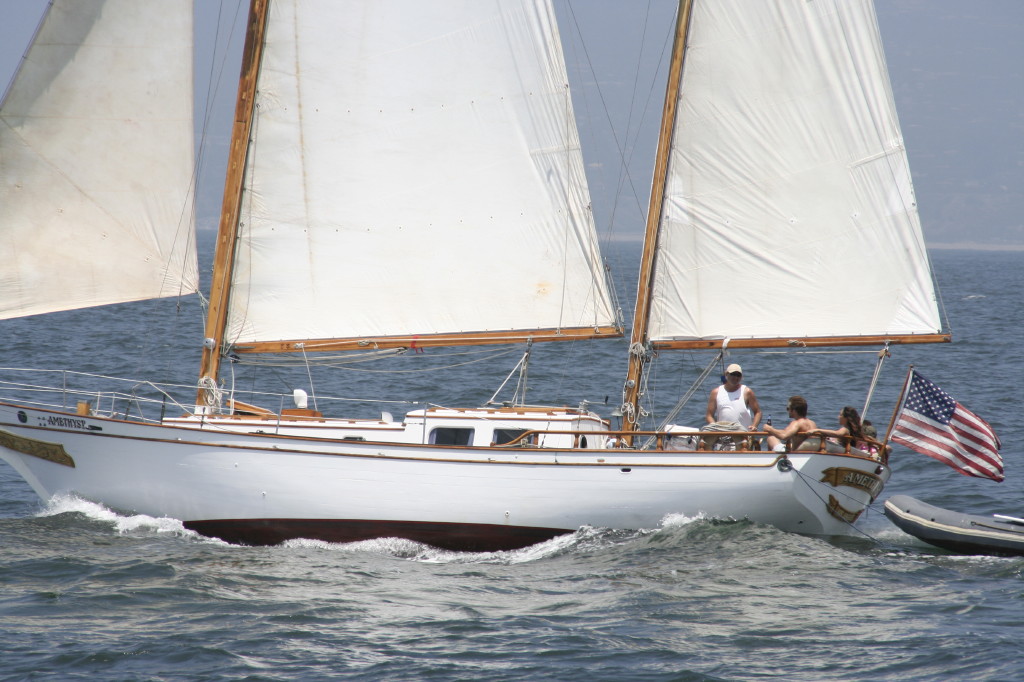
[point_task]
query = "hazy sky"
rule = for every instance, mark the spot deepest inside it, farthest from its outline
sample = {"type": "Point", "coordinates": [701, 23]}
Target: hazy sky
{"type": "Point", "coordinates": [957, 70]}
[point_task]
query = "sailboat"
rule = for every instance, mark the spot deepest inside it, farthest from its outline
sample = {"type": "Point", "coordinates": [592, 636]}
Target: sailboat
{"type": "Point", "coordinates": [371, 131]}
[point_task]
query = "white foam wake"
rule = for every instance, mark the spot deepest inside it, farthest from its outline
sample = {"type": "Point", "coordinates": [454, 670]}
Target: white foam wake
{"type": "Point", "coordinates": [677, 520]}
{"type": "Point", "coordinates": [415, 551]}
{"type": "Point", "coordinates": [136, 523]}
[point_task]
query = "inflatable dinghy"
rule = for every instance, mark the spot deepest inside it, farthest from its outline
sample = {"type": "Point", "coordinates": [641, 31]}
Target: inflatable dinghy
{"type": "Point", "coordinates": [958, 532]}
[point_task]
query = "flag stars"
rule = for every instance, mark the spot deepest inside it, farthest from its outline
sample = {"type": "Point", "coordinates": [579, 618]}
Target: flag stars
{"type": "Point", "coordinates": [930, 400]}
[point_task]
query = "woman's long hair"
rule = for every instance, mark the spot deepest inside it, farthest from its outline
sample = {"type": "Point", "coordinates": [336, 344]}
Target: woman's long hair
{"type": "Point", "coordinates": [853, 423]}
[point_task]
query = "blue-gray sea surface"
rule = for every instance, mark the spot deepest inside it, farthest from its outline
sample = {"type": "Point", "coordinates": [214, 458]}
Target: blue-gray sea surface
{"type": "Point", "coordinates": [86, 593]}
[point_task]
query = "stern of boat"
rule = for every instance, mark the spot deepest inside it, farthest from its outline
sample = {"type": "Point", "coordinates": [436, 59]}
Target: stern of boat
{"type": "Point", "coordinates": [835, 489]}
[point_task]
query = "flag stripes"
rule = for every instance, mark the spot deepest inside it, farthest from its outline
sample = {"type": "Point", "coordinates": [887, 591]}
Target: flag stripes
{"type": "Point", "coordinates": [932, 423]}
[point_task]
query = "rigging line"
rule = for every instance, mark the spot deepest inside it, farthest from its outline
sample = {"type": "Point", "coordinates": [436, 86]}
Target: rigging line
{"type": "Point", "coordinates": [607, 274]}
{"type": "Point", "coordinates": [204, 303]}
{"type": "Point", "coordinates": [808, 351]}
{"type": "Point", "coordinates": [418, 371]}
{"type": "Point", "coordinates": [252, 391]}
{"type": "Point", "coordinates": [245, 208]}
{"type": "Point", "coordinates": [807, 480]}
{"type": "Point", "coordinates": [320, 362]}
{"type": "Point", "coordinates": [582, 91]}
{"type": "Point", "coordinates": [519, 395]}
{"type": "Point", "coordinates": [694, 387]}
{"type": "Point", "coordinates": [215, 77]}
{"type": "Point", "coordinates": [604, 276]}
{"type": "Point", "coordinates": [627, 154]}
{"type": "Point", "coordinates": [652, 91]}
{"type": "Point", "coordinates": [697, 383]}
{"type": "Point", "coordinates": [212, 86]}
{"type": "Point", "coordinates": [231, 391]}
{"type": "Point", "coordinates": [309, 375]}
{"type": "Point", "coordinates": [604, 105]}
{"type": "Point", "coordinates": [613, 292]}
{"type": "Point", "coordinates": [636, 84]}
{"type": "Point", "coordinates": [938, 294]}
{"type": "Point", "coordinates": [360, 356]}
{"type": "Point", "coordinates": [213, 83]}
{"type": "Point", "coordinates": [567, 203]}
{"type": "Point", "coordinates": [518, 364]}
{"type": "Point", "coordinates": [645, 386]}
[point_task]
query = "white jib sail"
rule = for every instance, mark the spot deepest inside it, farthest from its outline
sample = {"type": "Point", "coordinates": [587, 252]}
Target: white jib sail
{"type": "Point", "coordinates": [789, 209]}
{"type": "Point", "coordinates": [96, 159]}
{"type": "Point", "coordinates": [415, 169]}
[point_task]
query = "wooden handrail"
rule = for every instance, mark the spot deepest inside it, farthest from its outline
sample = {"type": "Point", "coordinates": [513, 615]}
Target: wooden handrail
{"type": "Point", "coordinates": [661, 437]}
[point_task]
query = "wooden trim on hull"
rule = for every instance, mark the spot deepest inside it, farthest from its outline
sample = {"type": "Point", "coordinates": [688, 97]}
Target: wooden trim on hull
{"type": "Point", "coordinates": [462, 537]}
{"type": "Point", "coordinates": [51, 452]}
{"type": "Point", "coordinates": [496, 455]}
{"type": "Point", "coordinates": [542, 457]}
{"type": "Point", "coordinates": [545, 456]}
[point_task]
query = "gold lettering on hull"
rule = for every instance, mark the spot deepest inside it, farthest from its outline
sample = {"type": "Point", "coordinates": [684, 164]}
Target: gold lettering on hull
{"type": "Point", "coordinates": [837, 510]}
{"type": "Point", "coordinates": [51, 452]}
{"type": "Point", "coordinates": [862, 480]}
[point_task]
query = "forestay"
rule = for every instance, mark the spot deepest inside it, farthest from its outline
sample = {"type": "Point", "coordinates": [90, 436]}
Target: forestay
{"type": "Point", "coordinates": [413, 178]}
{"type": "Point", "coordinates": [789, 210]}
{"type": "Point", "coordinates": [96, 159]}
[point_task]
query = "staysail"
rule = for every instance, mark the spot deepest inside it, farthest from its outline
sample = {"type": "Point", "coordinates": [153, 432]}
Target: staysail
{"type": "Point", "coordinates": [788, 214]}
{"type": "Point", "coordinates": [96, 159]}
{"type": "Point", "coordinates": [413, 181]}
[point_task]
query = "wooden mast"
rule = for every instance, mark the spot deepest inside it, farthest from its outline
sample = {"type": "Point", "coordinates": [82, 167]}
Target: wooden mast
{"type": "Point", "coordinates": [641, 315]}
{"type": "Point", "coordinates": [224, 256]}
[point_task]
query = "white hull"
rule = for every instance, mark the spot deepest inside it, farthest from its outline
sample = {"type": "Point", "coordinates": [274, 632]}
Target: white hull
{"type": "Point", "coordinates": [263, 489]}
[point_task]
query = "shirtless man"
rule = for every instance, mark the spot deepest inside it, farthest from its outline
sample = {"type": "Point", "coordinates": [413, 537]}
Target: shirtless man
{"type": "Point", "coordinates": [733, 402]}
{"type": "Point", "coordinates": [790, 438]}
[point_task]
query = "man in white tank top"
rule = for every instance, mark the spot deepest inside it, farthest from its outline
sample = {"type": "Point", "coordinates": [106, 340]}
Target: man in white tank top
{"type": "Point", "coordinates": [733, 402]}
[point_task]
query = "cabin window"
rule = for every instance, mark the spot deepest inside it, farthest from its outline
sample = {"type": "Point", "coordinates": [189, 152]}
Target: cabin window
{"type": "Point", "coordinates": [451, 436]}
{"type": "Point", "coordinates": [502, 436]}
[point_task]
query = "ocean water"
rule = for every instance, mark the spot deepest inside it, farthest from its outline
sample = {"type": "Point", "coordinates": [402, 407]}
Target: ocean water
{"type": "Point", "coordinates": [86, 593]}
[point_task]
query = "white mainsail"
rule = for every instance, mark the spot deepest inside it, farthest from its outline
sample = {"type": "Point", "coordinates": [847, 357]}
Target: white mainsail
{"type": "Point", "coordinates": [96, 159]}
{"type": "Point", "coordinates": [789, 211]}
{"type": "Point", "coordinates": [413, 177]}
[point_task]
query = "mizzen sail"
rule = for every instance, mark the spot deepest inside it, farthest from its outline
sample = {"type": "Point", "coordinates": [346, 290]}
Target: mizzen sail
{"type": "Point", "coordinates": [789, 213]}
{"type": "Point", "coordinates": [414, 174]}
{"type": "Point", "coordinates": [96, 159]}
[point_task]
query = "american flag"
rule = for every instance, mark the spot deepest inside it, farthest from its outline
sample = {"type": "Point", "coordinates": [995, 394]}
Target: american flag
{"type": "Point", "coordinates": [933, 423]}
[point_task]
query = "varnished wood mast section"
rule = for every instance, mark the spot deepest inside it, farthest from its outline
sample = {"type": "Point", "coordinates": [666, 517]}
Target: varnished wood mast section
{"type": "Point", "coordinates": [227, 235]}
{"type": "Point", "coordinates": [643, 296]}
{"type": "Point", "coordinates": [428, 340]}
